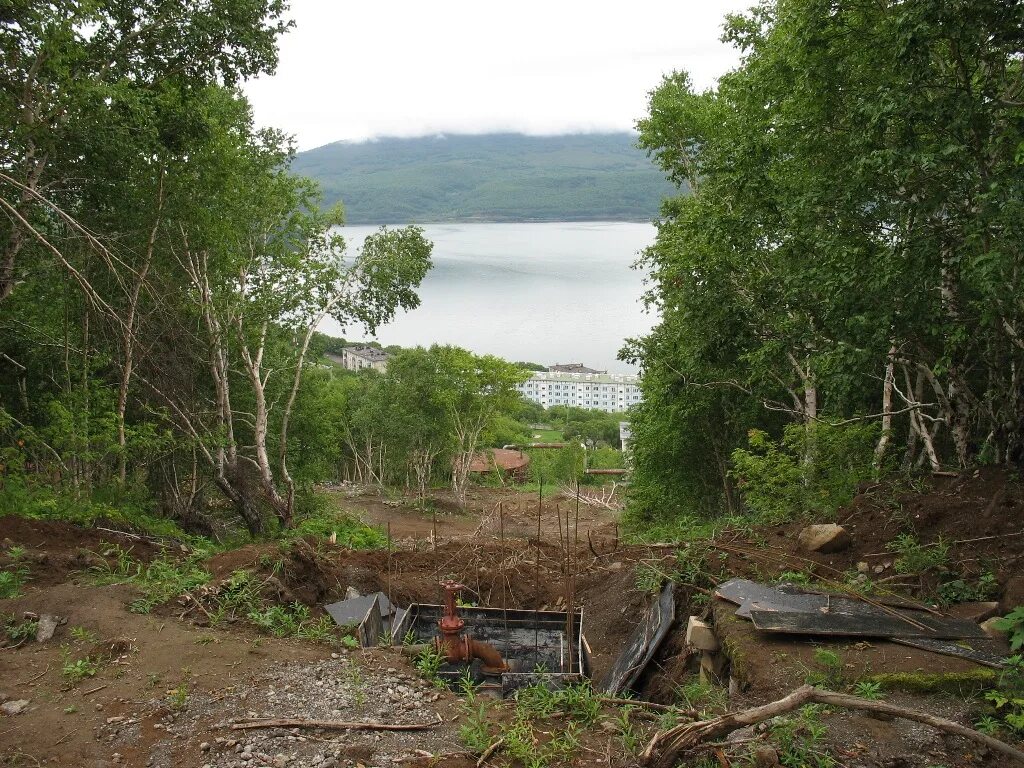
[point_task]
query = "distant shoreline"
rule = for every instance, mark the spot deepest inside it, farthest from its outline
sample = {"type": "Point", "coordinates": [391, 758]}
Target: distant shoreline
{"type": "Point", "coordinates": [555, 220]}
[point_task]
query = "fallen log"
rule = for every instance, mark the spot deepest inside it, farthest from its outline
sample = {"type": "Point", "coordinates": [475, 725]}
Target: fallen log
{"type": "Point", "coordinates": [665, 749]}
{"type": "Point", "coordinates": [330, 725]}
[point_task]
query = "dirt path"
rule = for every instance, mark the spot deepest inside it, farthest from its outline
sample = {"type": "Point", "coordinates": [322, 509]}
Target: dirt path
{"type": "Point", "coordinates": [169, 687]}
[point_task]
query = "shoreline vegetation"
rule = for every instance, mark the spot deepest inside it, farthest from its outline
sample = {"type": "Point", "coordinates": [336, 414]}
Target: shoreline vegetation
{"type": "Point", "coordinates": [489, 178]}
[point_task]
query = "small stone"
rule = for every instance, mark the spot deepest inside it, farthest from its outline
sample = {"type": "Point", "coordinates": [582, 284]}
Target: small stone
{"type": "Point", "coordinates": [825, 538]}
{"type": "Point", "coordinates": [15, 707]}
{"type": "Point", "coordinates": [47, 625]}
{"type": "Point", "coordinates": [99, 707]}
{"type": "Point", "coordinates": [616, 566]}
{"type": "Point", "coordinates": [351, 593]}
{"type": "Point", "coordinates": [879, 569]}
{"type": "Point", "coordinates": [764, 756]}
{"type": "Point", "coordinates": [863, 567]}
{"type": "Point", "coordinates": [205, 746]}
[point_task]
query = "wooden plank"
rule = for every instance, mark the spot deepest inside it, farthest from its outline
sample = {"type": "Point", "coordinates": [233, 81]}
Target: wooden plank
{"type": "Point", "coordinates": [740, 591]}
{"type": "Point", "coordinates": [879, 624]}
{"type": "Point", "coordinates": [371, 627]}
{"type": "Point", "coordinates": [642, 645]}
{"type": "Point", "coordinates": [982, 652]}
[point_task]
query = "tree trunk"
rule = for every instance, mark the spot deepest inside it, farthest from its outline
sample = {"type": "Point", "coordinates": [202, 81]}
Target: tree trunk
{"type": "Point", "coordinates": [887, 388]}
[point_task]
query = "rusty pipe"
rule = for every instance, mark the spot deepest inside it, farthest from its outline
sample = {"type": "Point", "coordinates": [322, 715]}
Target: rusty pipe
{"type": "Point", "coordinates": [458, 647]}
{"type": "Point", "coordinates": [464, 649]}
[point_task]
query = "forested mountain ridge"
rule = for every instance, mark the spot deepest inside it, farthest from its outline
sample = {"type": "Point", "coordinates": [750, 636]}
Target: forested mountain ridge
{"type": "Point", "coordinates": [489, 177]}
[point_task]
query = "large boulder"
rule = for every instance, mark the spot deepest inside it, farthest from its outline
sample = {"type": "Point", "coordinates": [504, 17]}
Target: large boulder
{"type": "Point", "coordinates": [824, 538]}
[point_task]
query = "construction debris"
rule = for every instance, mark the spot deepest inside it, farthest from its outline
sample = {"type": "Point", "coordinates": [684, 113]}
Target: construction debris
{"type": "Point", "coordinates": [701, 635]}
{"type": "Point", "coordinates": [785, 610]}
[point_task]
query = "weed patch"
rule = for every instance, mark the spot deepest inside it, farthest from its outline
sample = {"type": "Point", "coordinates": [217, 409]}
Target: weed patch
{"type": "Point", "coordinates": [159, 581]}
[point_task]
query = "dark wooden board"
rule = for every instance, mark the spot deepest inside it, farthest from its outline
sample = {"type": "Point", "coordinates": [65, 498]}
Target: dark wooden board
{"type": "Point", "coordinates": [878, 624]}
{"type": "Point", "coordinates": [740, 591]}
{"type": "Point", "coordinates": [643, 643]}
{"type": "Point", "coordinates": [984, 652]}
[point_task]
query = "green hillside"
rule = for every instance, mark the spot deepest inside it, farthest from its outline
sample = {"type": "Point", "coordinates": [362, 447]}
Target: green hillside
{"type": "Point", "coordinates": [492, 177]}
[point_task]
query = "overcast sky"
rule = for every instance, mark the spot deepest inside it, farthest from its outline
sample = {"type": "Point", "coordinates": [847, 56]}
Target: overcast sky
{"type": "Point", "coordinates": [410, 68]}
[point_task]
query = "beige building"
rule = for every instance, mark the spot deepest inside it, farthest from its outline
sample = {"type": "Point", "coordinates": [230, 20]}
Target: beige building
{"type": "Point", "coordinates": [358, 358]}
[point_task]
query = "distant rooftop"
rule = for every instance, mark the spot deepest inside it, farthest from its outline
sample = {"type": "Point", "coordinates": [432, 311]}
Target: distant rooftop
{"type": "Point", "coordinates": [572, 368]}
{"type": "Point", "coordinates": [598, 378]}
{"type": "Point", "coordinates": [372, 354]}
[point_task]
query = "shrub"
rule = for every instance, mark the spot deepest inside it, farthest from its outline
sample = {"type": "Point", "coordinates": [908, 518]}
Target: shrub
{"type": "Point", "coordinates": [317, 516]}
{"type": "Point", "coordinates": [809, 472]}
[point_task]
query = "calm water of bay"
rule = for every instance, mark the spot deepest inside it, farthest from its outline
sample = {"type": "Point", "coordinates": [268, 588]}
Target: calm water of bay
{"type": "Point", "coordinates": [547, 293]}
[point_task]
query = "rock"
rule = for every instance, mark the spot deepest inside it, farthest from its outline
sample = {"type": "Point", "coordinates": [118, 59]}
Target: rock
{"type": "Point", "coordinates": [700, 635]}
{"type": "Point", "coordinates": [712, 667]}
{"type": "Point", "coordinates": [1013, 594]}
{"type": "Point", "coordinates": [863, 567]}
{"type": "Point", "coordinates": [824, 538]}
{"type": "Point", "coordinates": [879, 569]}
{"type": "Point", "coordinates": [47, 625]}
{"type": "Point", "coordinates": [616, 566]}
{"type": "Point", "coordinates": [205, 746]}
{"type": "Point", "coordinates": [351, 593]}
{"type": "Point", "coordinates": [15, 707]}
{"type": "Point", "coordinates": [740, 735]}
{"type": "Point", "coordinates": [764, 756]}
{"type": "Point", "coordinates": [990, 629]}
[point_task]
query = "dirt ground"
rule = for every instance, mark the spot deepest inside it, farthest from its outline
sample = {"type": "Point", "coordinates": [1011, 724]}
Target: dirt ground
{"type": "Point", "coordinates": [169, 684]}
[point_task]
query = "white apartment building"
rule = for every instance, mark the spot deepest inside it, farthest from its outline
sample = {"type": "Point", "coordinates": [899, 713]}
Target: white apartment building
{"type": "Point", "coordinates": [611, 392]}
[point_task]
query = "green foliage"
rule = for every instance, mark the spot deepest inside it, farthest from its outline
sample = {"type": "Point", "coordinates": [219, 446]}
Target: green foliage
{"type": "Point", "coordinates": [429, 661]}
{"type": "Point", "coordinates": [294, 620]}
{"type": "Point", "coordinates": [1013, 624]}
{"type": "Point", "coordinates": [496, 177]}
{"type": "Point", "coordinates": [159, 581]}
{"type": "Point", "coordinates": [782, 281]}
{"type": "Point", "coordinates": [318, 517]}
{"type": "Point", "coordinates": [960, 590]}
{"type": "Point", "coordinates": [799, 739]}
{"type": "Point", "coordinates": [830, 671]}
{"type": "Point", "coordinates": [535, 704]}
{"type": "Point", "coordinates": [914, 557]}
{"type": "Point", "coordinates": [866, 689]}
{"type": "Point", "coordinates": [16, 631]}
{"type": "Point", "coordinates": [703, 697]}
{"type": "Point", "coordinates": [813, 471]}
{"type": "Point", "coordinates": [75, 670]}
{"type": "Point", "coordinates": [83, 635]}
{"type": "Point", "coordinates": [474, 731]}
{"type": "Point", "coordinates": [107, 506]}
{"type": "Point", "coordinates": [11, 582]}
{"type": "Point", "coordinates": [1008, 698]}
{"type": "Point", "coordinates": [177, 699]}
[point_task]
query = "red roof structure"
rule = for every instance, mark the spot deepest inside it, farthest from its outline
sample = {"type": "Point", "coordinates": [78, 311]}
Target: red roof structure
{"type": "Point", "coordinates": [506, 461]}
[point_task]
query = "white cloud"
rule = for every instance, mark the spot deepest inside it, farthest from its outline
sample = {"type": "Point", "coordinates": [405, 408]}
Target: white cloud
{"type": "Point", "coordinates": [404, 68]}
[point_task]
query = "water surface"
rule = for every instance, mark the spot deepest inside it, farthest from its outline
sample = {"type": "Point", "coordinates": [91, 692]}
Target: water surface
{"type": "Point", "coordinates": [546, 292]}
